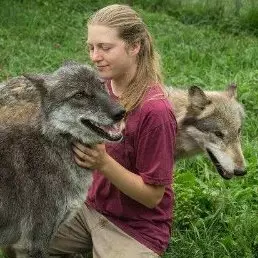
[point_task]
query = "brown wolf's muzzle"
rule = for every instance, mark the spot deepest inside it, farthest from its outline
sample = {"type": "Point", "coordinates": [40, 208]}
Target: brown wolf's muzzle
{"type": "Point", "coordinates": [239, 172]}
{"type": "Point", "coordinates": [225, 174]}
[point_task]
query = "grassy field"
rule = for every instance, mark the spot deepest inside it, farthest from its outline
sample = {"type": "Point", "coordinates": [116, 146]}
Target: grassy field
{"type": "Point", "coordinates": [213, 217]}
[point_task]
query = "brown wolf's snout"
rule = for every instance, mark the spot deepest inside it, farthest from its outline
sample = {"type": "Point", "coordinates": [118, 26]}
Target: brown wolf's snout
{"type": "Point", "coordinates": [239, 172]}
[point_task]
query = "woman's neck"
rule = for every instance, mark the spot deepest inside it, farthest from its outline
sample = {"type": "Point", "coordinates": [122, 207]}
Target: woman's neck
{"type": "Point", "coordinates": [120, 84]}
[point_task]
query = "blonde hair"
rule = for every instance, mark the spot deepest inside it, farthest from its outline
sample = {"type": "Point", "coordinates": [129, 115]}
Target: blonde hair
{"type": "Point", "coordinates": [131, 29]}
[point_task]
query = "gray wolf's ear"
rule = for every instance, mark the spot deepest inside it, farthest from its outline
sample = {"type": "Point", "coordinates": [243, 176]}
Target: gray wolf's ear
{"type": "Point", "coordinates": [69, 63]}
{"type": "Point", "coordinates": [197, 100]}
{"type": "Point", "coordinates": [231, 91]}
{"type": "Point", "coordinates": [38, 81]}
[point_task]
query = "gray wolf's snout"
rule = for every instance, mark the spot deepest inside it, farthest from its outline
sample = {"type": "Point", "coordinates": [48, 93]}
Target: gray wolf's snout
{"type": "Point", "coordinates": [118, 114]}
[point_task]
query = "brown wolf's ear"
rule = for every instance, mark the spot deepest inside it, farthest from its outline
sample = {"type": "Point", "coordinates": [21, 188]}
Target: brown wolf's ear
{"type": "Point", "coordinates": [38, 81]}
{"type": "Point", "coordinates": [197, 100]}
{"type": "Point", "coordinates": [231, 91]}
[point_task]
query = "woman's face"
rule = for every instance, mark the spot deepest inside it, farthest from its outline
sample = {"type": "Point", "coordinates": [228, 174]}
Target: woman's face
{"type": "Point", "coordinates": [109, 53]}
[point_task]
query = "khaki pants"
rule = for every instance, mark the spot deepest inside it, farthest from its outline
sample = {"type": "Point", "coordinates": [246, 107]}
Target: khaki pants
{"type": "Point", "coordinates": [91, 231]}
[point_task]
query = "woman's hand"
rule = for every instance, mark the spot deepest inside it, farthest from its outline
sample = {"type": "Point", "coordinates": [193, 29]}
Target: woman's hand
{"type": "Point", "coordinates": [94, 157]}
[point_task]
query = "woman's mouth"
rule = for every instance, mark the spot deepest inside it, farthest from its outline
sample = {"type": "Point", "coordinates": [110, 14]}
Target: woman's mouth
{"type": "Point", "coordinates": [102, 67]}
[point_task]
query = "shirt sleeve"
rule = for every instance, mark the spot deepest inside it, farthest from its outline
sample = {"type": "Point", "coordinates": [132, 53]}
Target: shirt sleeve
{"type": "Point", "coordinates": [156, 144]}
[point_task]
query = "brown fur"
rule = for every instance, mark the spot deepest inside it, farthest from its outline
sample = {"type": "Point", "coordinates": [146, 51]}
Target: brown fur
{"type": "Point", "coordinates": [210, 121]}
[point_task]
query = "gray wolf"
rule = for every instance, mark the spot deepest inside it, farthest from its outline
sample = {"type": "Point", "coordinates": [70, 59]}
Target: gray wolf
{"type": "Point", "coordinates": [210, 122]}
{"type": "Point", "coordinates": [40, 117]}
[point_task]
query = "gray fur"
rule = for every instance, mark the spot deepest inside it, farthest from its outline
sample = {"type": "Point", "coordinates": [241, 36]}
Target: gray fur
{"type": "Point", "coordinates": [40, 184]}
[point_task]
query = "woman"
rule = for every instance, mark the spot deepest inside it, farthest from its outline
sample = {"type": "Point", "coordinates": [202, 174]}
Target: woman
{"type": "Point", "coordinates": [128, 211]}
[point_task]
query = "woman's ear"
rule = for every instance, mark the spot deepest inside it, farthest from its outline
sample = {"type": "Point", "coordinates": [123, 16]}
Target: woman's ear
{"type": "Point", "coordinates": [134, 49]}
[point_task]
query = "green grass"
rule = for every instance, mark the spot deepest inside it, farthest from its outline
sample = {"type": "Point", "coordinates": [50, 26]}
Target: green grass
{"type": "Point", "coordinates": [223, 15]}
{"type": "Point", "coordinates": [213, 217]}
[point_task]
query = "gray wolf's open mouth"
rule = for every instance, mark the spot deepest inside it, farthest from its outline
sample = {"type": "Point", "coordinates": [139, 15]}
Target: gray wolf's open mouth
{"type": "Point", "coordinates": [219, 168]}
{"type": "Point", "coordinates": [109, 132]}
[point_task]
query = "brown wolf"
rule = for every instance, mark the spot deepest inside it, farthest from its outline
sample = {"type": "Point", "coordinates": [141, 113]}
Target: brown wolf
{"type": "Point", "coordinates": [210, 122]}
{"type": "Point", "coordinates": [40, 117]}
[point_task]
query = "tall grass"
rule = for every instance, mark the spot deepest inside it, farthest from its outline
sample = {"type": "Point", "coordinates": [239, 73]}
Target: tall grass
{"type": "Point", "coordinates": [234, 16]}
{"type": "Point", "coordinates": [212, 217]}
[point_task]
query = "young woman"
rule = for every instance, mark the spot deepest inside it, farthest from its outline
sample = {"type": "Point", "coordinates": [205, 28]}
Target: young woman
{"type": "Point", "coordinates": [128, 211]}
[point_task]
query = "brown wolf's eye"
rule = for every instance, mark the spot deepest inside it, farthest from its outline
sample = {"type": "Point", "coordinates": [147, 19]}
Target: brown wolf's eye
{"type": "Point", "coordinates": [219, 134]}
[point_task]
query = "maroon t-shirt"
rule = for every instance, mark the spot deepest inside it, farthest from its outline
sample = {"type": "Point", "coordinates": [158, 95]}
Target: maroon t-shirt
{"type": "Point", "coordinates": [147, 149]}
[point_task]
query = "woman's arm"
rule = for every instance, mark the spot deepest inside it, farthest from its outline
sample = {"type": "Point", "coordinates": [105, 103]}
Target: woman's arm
{"type": "Point", "coordinates": [126, 181]}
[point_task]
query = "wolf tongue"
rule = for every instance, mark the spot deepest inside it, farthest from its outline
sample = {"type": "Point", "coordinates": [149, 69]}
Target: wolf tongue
{"type": "Point", "coordinates": [111, 128]}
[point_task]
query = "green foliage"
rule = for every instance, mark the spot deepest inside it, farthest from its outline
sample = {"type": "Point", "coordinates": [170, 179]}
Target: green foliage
{"type": "Point", "coordinates": [250, 20]}
{"type": "Point", "coordinates": [221, 212]}
{"type": "Point", "coordinates": [212, 217]}
{"type": "Point", "coordinates": [224, 15]}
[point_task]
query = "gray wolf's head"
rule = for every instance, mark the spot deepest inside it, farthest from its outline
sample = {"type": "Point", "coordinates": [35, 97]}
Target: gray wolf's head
{"type": "Point", "coordinates": [213, 120]}
{"type": "Point", "coordinates": [74, 102]}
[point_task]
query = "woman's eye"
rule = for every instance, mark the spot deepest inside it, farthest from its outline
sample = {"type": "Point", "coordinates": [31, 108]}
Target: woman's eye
{"type": "Point", "coordinates": [219, 134]}
{"type": "Point", "coordinates": [105, 48]}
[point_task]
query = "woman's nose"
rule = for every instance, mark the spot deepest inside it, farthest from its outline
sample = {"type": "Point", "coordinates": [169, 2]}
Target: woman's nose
{"type": "Point", "coordinates": [96, 56]}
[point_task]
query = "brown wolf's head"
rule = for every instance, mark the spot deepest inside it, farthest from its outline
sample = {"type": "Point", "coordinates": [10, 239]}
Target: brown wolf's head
{"type": "Point", "coordinates": [211, 122]}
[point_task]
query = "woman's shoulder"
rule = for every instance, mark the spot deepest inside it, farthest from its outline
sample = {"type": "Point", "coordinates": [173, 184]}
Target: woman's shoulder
{"type": "Point", "coordinates": [156, 100]}
{"type": "Point", "coordinates": [155, 108]}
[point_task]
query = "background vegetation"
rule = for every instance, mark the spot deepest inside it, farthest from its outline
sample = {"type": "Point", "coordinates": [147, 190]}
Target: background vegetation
{"type": "Point", "coordinates": [208, 43]}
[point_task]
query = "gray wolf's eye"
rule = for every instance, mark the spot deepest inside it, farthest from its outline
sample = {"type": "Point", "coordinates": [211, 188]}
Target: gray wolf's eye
{"type": "Point", "coordinates": [219, 134]}
{"type": "Point", "coordinates": [80, 95]}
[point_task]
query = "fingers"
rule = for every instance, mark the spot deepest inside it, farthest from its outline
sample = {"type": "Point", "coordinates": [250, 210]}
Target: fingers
{"type": "Point", "coordinates": [82, 163]}
{"type": "Point", "coordinates": [88, 157]}
{"type": "Point", "coordinates": [84, 152]}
